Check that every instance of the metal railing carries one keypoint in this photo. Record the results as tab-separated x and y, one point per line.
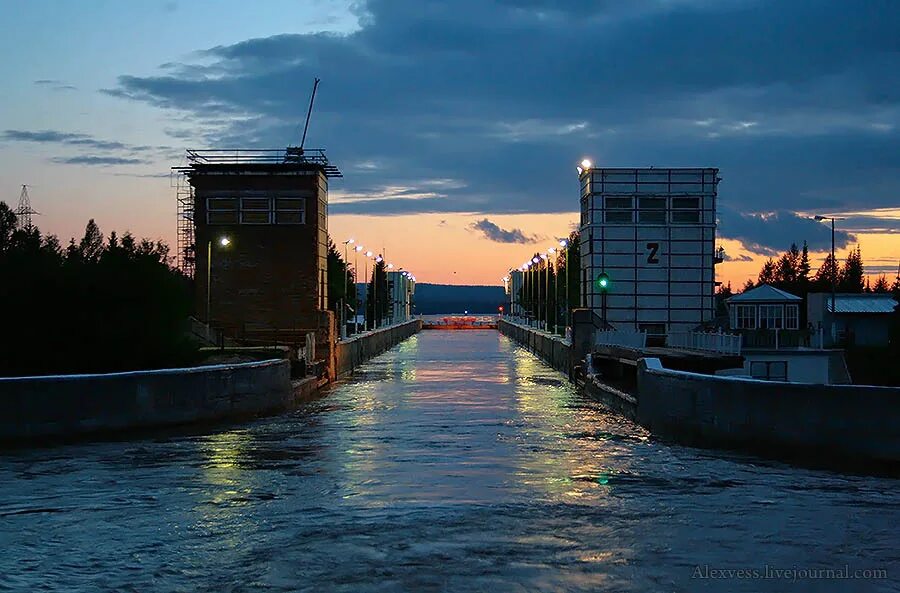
627	339
778	339
705	341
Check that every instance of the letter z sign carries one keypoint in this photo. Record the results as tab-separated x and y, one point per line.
653	253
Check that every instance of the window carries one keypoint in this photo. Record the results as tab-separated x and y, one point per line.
686	210
791	318
221	211
771	316
771	370
255	211
686	203
290	210
259	207
652	210
746	317
619	210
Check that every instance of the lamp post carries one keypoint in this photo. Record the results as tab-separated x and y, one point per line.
366	319
224	242
536	283
833	272
356	251
565	244
343	316
555	299
378	260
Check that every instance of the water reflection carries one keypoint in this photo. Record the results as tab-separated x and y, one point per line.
455	462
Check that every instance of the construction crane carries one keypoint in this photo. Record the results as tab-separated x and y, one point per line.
24	211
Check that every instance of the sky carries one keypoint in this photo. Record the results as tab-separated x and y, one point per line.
458	125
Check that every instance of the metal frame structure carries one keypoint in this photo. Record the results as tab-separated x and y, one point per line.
261	156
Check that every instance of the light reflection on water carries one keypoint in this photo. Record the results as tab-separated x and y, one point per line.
455	462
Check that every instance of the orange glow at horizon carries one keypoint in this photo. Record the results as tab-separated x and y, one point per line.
443	248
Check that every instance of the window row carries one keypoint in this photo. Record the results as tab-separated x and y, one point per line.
256	210
766	317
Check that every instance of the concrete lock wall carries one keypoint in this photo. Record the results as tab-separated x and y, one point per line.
353	352
552	349
827	421
71	405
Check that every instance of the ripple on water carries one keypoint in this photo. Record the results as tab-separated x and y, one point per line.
457	462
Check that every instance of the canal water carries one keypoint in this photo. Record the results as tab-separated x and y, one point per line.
455	462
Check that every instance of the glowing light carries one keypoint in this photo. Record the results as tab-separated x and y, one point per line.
586	164
224	241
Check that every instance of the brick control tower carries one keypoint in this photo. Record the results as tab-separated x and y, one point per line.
260	241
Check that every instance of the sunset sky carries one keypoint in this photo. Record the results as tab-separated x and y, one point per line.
458	124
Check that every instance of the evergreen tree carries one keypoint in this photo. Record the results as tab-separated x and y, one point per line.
803	271
748	285
723	293
768	274
91	245
377	297
92	307
852	277
7	226
881	285
827	274
340	282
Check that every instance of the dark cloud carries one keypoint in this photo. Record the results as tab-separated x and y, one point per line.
125	153
56	85
772	233
494	233
97	160
798	103
738	257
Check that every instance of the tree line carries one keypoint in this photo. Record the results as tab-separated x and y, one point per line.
544	292
792	272
99	304
342	290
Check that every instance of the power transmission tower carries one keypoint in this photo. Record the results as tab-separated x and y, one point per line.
24	211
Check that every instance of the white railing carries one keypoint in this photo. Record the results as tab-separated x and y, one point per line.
705	341
628	339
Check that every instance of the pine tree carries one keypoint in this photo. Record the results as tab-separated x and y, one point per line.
7	226
881	285
803	269
768	274
91	245
827	274
852	277
748	285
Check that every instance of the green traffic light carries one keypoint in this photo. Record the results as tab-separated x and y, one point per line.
603	281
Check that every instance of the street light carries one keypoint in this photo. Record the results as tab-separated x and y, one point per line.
343	315
565	245
224	241
833	274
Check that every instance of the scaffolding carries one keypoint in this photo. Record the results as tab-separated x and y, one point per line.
184	193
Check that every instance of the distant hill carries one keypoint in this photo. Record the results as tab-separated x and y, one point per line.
449	298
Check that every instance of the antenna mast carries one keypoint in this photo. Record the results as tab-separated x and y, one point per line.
309	113
24	211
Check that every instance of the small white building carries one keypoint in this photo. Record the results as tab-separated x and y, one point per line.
764	307
773	344
401	288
